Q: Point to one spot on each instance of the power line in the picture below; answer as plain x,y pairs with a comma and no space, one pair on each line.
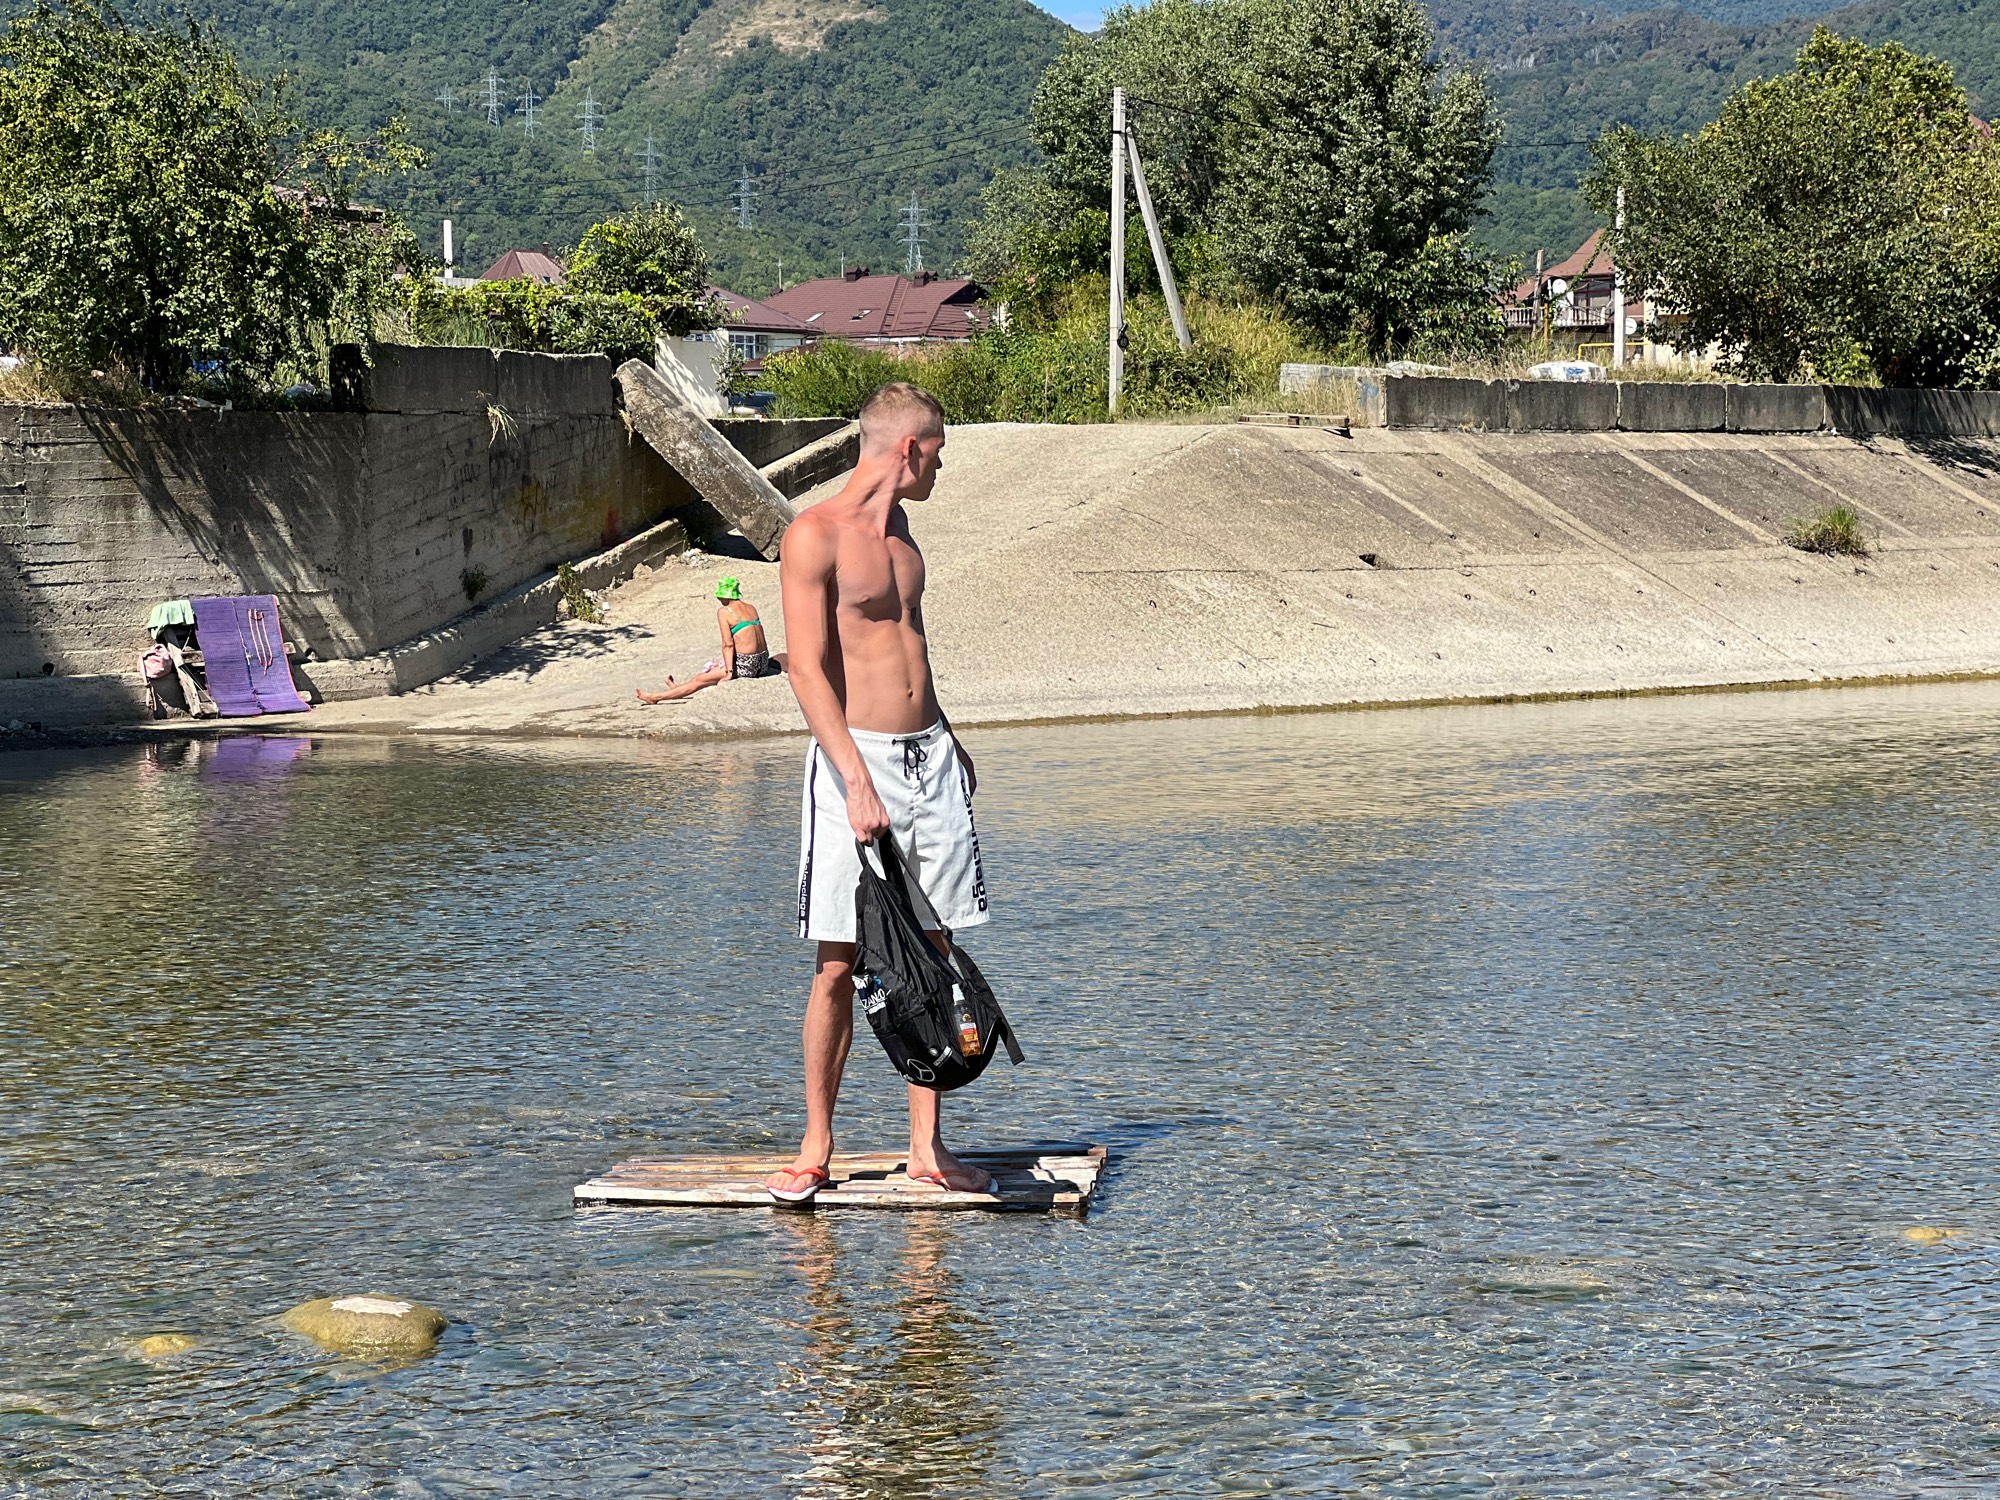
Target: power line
447,96
896,158
593,120
492,97
530,103
743,197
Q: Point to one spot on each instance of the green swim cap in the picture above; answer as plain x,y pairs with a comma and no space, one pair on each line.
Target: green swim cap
729,588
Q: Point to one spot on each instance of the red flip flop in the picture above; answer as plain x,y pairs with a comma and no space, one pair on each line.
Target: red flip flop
815,1177
937,1179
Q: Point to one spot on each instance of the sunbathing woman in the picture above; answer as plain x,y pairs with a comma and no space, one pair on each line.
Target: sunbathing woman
745,651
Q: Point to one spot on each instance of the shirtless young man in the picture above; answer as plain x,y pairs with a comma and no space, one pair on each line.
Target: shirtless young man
881,758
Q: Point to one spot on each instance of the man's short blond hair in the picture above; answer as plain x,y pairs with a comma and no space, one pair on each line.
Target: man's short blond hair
900,408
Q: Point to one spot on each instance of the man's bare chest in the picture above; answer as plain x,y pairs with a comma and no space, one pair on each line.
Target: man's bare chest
882,581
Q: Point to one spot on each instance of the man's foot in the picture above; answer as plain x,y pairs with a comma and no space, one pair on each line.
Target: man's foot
948,1172
796,1184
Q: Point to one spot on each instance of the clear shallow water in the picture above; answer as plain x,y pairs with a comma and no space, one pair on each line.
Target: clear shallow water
1504,1102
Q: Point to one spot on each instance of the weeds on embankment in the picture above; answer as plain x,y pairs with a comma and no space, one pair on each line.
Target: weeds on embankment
31,384
1835,530
1057,372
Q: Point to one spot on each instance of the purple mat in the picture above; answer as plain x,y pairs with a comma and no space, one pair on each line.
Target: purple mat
244,650
254,757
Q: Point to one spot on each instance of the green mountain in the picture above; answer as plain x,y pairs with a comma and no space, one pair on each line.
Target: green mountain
1667,70
833,112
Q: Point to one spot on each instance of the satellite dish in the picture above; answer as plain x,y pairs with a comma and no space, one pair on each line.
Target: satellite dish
1558,287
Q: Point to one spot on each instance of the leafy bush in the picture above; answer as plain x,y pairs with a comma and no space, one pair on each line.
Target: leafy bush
631,280
650,253
526,314
1058,372
140,225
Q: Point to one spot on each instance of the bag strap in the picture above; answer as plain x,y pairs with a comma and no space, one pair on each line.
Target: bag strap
893,875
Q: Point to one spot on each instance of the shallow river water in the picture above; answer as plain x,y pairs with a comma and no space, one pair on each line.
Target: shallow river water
1512,1102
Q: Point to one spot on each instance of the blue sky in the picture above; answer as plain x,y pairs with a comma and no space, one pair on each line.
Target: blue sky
1082,17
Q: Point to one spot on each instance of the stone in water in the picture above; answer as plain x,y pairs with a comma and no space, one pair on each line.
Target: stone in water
368,1325
164,1345
1930,1234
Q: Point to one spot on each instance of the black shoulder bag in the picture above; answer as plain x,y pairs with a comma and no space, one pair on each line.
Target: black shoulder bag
936,1018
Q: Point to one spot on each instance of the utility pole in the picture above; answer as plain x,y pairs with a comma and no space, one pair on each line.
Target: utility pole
1117,382
593,120
1541,301
449,257
744,196
913,237
1159,243
530,102
649,163
1618,290
492,97
447,96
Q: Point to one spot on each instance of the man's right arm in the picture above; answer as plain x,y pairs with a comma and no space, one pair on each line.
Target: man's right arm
807,585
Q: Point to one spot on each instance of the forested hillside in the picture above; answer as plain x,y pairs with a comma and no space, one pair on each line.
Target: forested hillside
837,111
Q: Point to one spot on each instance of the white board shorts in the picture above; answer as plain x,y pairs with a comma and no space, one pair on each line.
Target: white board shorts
922,783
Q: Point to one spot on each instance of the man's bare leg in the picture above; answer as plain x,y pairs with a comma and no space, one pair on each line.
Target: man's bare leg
829,1032
927,1150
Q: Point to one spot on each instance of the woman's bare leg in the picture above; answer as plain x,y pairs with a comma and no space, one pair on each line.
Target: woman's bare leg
682,690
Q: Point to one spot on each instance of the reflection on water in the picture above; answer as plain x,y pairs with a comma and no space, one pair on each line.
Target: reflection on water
1505,1102
910,1413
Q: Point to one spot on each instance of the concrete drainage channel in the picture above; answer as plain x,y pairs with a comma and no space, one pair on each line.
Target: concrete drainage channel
1461,404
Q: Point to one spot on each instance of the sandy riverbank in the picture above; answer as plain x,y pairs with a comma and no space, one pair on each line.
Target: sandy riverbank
1113,571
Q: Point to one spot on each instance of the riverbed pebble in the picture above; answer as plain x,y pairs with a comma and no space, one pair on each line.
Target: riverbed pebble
368,1325
163,1345
1930,1234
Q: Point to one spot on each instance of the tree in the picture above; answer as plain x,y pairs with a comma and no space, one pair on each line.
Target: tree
1312,151
140,224
1840,220
1353,166
651,253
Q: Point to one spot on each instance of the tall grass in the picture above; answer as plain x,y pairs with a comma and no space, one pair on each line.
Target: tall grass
1057,372
33,384
1835,530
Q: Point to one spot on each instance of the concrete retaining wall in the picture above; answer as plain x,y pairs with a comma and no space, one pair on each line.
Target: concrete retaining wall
1455,404
453,477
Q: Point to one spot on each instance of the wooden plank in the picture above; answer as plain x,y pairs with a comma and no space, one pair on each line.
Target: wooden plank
1038,1177
704,458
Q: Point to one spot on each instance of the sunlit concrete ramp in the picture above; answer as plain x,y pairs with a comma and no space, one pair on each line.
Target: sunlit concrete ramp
1087,571
704,457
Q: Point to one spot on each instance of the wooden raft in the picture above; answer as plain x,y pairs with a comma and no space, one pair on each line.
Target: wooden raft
1038,1177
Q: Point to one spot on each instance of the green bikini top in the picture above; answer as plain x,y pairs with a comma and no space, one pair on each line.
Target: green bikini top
742,625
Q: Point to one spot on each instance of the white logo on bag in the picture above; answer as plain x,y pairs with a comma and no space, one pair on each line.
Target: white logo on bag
921,1072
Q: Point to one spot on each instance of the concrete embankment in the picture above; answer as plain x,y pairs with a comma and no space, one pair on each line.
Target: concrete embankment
405,534
1078,572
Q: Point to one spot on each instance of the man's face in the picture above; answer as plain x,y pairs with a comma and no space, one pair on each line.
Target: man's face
923,456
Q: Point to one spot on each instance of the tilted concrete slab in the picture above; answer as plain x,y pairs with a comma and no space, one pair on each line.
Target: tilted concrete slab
704,457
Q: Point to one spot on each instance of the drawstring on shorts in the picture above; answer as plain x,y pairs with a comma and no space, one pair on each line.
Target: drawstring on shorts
914,759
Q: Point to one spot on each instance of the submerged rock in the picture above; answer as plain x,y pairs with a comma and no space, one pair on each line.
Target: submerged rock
1930,1234
367,1325
163,1345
